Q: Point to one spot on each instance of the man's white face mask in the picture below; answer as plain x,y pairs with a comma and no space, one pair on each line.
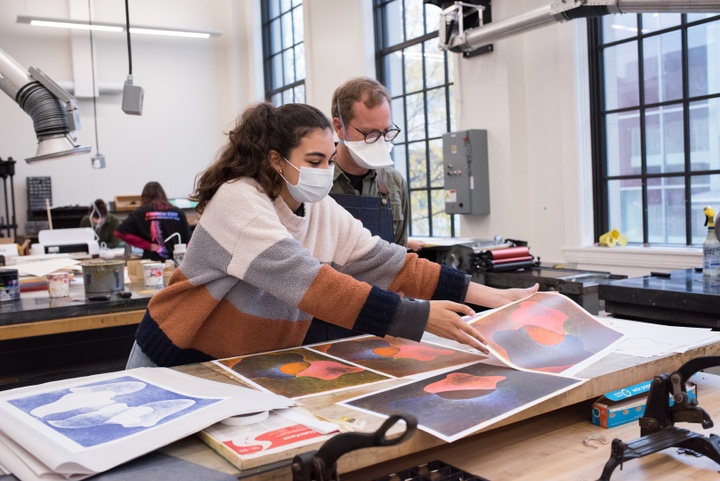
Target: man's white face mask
370,156
374,155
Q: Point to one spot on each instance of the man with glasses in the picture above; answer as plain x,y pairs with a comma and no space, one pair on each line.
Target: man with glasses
365,182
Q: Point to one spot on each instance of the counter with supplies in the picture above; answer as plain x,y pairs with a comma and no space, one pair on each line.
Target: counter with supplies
44,338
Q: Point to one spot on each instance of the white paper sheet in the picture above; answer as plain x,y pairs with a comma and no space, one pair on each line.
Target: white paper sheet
79,427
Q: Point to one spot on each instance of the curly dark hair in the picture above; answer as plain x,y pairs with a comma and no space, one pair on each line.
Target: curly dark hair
260,129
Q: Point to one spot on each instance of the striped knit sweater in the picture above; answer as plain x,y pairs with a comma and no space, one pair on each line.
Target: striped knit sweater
255,274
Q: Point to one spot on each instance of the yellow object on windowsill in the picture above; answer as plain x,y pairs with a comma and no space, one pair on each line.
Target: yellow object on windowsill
613,238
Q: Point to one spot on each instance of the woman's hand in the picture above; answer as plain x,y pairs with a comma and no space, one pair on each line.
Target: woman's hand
445,321
491,297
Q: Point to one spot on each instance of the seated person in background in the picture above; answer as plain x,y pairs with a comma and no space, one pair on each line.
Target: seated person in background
150,226
103,224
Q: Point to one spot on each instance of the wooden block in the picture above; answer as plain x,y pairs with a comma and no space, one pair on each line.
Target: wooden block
127,203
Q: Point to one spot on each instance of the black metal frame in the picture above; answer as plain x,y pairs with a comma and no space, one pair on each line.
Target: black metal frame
270,52
598,112
382,49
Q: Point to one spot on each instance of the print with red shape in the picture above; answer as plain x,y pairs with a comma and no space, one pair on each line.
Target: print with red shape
464,386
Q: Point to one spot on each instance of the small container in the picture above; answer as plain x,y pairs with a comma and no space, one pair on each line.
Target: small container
58,284
103,277
9,285
179,253
153,275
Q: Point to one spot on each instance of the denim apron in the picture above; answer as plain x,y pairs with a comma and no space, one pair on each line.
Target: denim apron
374,212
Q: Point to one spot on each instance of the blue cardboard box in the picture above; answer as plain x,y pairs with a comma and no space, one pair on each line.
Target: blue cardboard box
626,405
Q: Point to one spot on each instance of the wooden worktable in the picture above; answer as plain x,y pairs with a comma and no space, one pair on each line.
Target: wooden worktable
564,420
552,447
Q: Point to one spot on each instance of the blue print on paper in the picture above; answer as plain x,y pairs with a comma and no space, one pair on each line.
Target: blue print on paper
100,412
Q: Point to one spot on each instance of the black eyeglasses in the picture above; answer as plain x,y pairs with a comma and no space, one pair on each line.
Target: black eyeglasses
373,135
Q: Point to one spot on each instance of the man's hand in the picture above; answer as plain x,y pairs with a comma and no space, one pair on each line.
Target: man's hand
415,245
490,297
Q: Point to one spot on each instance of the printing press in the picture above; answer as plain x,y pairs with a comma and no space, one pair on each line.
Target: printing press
506,263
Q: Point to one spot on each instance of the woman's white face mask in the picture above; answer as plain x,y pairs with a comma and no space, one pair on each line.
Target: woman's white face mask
313,184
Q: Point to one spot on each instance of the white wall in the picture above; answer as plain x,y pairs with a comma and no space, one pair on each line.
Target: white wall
530,93
193,91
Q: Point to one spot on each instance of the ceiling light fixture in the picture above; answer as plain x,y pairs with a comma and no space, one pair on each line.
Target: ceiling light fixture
112,27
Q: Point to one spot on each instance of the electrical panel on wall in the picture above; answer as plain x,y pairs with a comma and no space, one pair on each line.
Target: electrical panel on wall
465,162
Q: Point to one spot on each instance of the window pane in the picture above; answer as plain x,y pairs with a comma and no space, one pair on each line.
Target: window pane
285,5
434,64
274,8
413,68
703,59
414,26
300,93
705,192
663,68
417,165
437,112
399,155
419,225
623,143
277,71
289,66
652,22
393,72
398,116
287,28
666,210
437,172
704,140
394,16
275,33
619,27
665,142
625,208
621,76
298,27
432,20
416,117
440,220
692,17
300,61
